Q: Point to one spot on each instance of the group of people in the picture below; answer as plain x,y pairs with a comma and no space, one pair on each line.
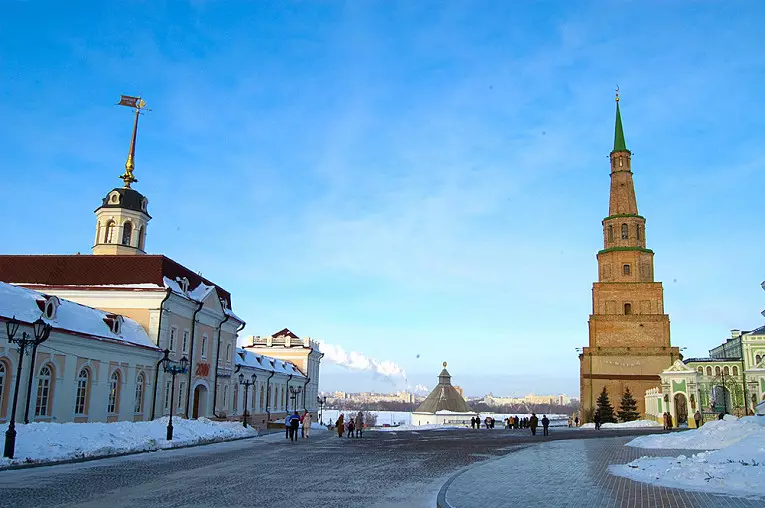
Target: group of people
514,422
294,422
353,427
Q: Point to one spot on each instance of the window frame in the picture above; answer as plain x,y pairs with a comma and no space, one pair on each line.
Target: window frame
205,341
115,386
172,340
185,342
44,391
140,384
627,270
82,392
625,231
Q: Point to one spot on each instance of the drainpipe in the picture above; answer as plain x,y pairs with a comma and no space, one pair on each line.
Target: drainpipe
29,382
287,395
217,359
191,355
268,396
156,370
305,388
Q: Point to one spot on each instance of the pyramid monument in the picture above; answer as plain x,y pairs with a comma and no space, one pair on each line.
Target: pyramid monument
444,405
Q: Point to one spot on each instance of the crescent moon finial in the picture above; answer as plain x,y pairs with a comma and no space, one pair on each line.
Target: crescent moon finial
617,93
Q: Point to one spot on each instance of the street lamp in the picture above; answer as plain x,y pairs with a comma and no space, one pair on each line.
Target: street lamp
41,334
294,391
321,401
246,384
173,368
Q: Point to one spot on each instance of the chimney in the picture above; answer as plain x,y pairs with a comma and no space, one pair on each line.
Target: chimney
735,333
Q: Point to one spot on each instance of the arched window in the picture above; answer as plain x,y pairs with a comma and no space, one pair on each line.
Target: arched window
83,390
638,233
610,233
735,370
139,383
42,405
236,398
625,231
701,370
627,309
114,393
141,237
726,370
709,371
757,359
111,227
228,352
127,232
2,386
627,270
717,370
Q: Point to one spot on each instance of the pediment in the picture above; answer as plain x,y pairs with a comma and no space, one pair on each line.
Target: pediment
679,366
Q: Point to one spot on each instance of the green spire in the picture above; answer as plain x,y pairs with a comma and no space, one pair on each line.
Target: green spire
619,144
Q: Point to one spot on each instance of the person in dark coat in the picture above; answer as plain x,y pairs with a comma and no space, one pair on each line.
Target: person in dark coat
533,421
697,419
472,422
597,420
340,425
545,425
294,425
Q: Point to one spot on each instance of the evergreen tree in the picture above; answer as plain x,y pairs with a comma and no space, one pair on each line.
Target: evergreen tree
628,411
605,409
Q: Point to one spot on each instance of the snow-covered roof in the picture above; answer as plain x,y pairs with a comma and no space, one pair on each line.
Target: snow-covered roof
247,358
198,294
22,303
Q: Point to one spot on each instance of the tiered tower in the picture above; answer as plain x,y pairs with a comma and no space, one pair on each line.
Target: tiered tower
629,331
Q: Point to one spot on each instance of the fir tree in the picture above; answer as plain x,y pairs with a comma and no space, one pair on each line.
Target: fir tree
605,409
628,411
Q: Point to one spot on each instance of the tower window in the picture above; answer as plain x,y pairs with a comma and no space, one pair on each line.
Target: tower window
127,231
627,270
627,309
140,238
610,233
111,226
638,233
625,231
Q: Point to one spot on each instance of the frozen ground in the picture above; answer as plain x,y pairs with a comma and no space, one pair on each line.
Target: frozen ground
734,462
46,442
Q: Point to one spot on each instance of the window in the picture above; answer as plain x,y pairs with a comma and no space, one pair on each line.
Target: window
610,233
111,226
204,346
139,382
185,343
709,371
173,333
114,393
262,397
627,270
625,232
638,234
2,384
701,370
627,309
81,398
757,359
127,231
236,398
225,395
181,391
140,238
42,405
717,370
167,395
735,370
726,371
228,352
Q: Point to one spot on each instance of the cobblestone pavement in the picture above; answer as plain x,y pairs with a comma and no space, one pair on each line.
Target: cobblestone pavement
569,474
383,469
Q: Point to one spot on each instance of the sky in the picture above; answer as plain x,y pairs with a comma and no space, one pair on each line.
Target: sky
416,182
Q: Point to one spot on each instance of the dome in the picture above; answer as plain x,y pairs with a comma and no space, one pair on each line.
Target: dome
129,199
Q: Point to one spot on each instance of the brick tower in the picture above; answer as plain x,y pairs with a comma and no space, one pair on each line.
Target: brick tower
629,331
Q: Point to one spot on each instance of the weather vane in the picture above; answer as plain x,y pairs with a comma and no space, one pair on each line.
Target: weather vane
617,93
444,364
139,105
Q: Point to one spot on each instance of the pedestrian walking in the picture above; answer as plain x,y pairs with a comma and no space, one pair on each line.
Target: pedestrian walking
597,420
287,419
669,421
294,425
306,425
359,424
697,418
533,421
472,422
576,422
340,426
350,426
546,424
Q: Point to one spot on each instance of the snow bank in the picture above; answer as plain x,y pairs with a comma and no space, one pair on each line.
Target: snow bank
429,426
637,424
48,442
736,466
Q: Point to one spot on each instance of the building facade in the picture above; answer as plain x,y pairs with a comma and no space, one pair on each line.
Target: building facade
629,342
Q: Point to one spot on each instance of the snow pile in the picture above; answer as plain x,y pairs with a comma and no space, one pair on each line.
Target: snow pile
736,466
637,424
49,442
428,426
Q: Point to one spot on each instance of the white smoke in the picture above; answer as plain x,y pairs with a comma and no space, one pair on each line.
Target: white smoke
357,361
421,389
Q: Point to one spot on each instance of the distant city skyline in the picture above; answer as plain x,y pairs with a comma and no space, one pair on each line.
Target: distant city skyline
414,182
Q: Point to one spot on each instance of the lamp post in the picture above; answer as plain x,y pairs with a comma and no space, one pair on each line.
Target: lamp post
41,334
173,368
246,384
294,391
321,401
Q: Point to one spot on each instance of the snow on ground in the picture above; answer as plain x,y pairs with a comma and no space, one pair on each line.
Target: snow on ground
48,442
735,466
637,424
428,426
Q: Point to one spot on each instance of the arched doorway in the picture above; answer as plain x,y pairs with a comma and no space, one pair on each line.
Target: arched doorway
199,408
721,401
681,409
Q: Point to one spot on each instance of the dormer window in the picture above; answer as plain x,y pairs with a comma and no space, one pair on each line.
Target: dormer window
184,283
114,322
48,306
114,198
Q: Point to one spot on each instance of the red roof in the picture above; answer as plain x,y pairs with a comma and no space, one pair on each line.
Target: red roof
285,332
90,270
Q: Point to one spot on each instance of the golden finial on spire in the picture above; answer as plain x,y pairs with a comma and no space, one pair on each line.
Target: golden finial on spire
617,93
138,104
444,364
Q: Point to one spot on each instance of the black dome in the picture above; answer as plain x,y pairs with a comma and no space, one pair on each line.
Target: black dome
129,199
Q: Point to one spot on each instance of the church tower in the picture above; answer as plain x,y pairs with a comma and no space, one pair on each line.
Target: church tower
122,218
629,331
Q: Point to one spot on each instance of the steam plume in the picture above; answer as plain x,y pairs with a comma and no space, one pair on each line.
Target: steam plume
357,361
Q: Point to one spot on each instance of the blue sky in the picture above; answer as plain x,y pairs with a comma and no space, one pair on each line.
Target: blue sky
417,181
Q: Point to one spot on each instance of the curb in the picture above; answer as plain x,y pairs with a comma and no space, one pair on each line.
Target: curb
79,460
441,501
